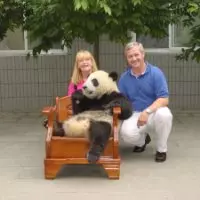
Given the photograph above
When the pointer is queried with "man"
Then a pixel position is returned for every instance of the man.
(146, 87)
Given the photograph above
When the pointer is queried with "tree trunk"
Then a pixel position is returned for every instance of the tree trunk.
(96, 52)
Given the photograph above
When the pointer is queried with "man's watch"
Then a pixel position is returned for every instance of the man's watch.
(148, 111)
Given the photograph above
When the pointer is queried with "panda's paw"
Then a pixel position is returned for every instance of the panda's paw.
(116, 104)
(45, 123)
(112, 104)
(77, 96)
(92, 158)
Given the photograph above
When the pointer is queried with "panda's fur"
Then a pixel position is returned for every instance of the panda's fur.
(78, 126)
(92, 109)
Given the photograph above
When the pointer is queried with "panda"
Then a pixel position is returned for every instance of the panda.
(92, 111)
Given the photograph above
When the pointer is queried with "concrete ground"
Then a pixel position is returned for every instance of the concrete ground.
(21, 166)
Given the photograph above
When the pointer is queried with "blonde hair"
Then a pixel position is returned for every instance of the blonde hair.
(131, 45)
(77, 75)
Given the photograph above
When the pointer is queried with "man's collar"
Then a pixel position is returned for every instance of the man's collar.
(147, 68)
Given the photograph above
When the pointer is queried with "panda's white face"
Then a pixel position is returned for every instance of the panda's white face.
(98, 84)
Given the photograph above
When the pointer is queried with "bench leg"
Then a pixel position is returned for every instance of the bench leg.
(112, 170)
(51, 169)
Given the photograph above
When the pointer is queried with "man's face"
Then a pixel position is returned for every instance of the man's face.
(135, 57)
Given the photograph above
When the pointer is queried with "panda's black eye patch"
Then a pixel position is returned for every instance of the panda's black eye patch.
(95, 82)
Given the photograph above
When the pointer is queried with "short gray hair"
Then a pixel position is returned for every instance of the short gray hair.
(130, 45)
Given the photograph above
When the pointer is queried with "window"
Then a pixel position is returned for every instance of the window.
(149, 42)
(19, 40)
(13, 41)
(180, 36)
(31, 44)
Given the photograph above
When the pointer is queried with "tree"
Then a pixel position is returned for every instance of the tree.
(52, 21)
(55, 20)
(11, 16)
(189, 12)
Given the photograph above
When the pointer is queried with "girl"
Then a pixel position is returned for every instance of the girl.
(83, 67)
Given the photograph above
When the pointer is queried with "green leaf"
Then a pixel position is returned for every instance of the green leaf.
(84, 4)
(136, 2)
(107, 9)
(77, 4)
(193, 7)
(90, 25)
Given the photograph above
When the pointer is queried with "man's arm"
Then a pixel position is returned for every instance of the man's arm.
(158, 103)
(162, 100)
(161, 92)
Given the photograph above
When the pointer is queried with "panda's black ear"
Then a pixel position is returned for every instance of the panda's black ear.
(113, 75)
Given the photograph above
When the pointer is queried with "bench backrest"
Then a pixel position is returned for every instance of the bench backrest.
(63, 108)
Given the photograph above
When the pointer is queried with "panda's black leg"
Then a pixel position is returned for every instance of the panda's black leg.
(58, 130)
(45, 123)
(99, 136)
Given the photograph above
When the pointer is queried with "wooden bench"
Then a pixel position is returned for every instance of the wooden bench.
(66, 150)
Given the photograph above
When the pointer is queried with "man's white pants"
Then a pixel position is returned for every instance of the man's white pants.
(159, 122)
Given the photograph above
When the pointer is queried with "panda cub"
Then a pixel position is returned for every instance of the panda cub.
(93, 108)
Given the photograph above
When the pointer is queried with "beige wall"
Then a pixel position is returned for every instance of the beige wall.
(29, 85)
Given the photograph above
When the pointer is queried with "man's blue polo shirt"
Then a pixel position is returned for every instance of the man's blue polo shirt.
(143, 90)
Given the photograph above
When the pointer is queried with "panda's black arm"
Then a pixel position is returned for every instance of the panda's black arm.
(77, 102)
(117, 99)
(80, 102)
(126, 108)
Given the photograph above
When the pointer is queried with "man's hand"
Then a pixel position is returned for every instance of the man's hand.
(143, 118)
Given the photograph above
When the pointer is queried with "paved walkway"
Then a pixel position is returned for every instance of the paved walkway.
(21, 166)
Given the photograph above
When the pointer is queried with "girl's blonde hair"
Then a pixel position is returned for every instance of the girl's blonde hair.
(77, 75)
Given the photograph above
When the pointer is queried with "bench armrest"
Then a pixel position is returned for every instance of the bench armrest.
(46, 110)
(50, 112)
(116, 113)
